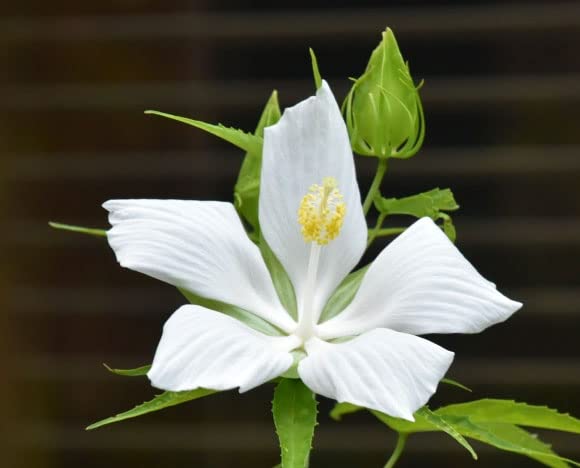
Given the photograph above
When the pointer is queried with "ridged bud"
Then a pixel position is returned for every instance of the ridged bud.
(383, 109)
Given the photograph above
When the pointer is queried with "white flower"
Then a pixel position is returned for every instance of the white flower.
(311, 217)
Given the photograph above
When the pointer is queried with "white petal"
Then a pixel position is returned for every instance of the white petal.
(201, 348)
(385, 370)
(309, 143)
(199, 246)
(421, 283)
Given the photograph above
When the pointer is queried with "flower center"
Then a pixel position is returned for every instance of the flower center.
(321, 215)
(322, 212)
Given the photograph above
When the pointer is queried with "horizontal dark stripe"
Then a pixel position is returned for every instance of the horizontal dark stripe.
(220, 165)
(552, 303)
(471, 371)
(446, 92)
(521, 231)
(253, 436)
(281, 25)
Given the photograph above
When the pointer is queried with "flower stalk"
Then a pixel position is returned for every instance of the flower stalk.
(401, 441)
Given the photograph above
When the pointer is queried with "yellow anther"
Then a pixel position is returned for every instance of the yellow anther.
(321, 212)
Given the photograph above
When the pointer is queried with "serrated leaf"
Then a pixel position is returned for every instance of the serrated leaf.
(247, 188)
(79, 229)
(512, 412)
(343, 295)
(237, 137)
(294, 410)
(443, 425)
(136, 372)
(421, 423)
(242, 315)
(511, 439)
(280, 278)
(429, 204)
(160, 402)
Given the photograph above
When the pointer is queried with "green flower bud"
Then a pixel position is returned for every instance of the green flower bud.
(383, 109)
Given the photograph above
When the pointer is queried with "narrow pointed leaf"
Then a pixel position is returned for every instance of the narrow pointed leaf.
(160, 402)
(239, 138)
(136, 372)
(247, 188)
(454, 383)
(79, 229)
(511, 439)
(512, 412)
(443, 425)
(294, 410)
(315, 69)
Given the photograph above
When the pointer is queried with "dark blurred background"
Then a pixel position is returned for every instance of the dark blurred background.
(501, 98)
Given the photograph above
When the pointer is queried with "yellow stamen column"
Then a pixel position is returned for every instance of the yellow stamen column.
(321, 215)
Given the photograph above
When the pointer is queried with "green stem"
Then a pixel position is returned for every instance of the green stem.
(398, 450)
(377, 232)
(373, 232)
(381, 169)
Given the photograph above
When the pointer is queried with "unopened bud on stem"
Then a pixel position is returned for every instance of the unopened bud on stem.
(383, 109)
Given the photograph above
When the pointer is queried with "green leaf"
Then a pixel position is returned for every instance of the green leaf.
(454, 383)
(315, 70)
(343, 295)
(160, 402)
(340, 409)
(443, 425)
(280, 278)
(294, 410)
(433, 204)
(239, 138)
(429, 204)
(421, 423)
(247, 188)
(508, 411)
(137, 372)
(79, 229)
(511, 439)
(242, 315)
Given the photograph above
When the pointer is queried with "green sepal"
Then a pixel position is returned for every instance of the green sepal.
(136, 372)
(294, 411)
(315, 69)
(247, 188)
(280, 278)
(80, 229)
(242, 315)
(237, 137)
(164, 400)
(343, 295)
